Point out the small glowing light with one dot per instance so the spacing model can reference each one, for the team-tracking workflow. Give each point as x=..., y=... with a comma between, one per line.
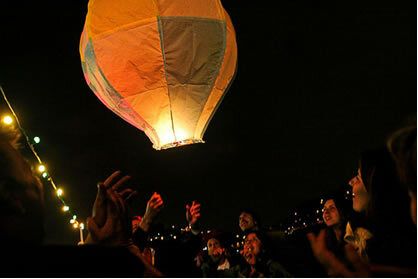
x=296, y=213
x=75, y=225
x=45, y=175
x=237, y=235
x=322, y=201
x=41, y=168
x=74, y=217
x=162, y=238
x=175, y=237
x=59, y=192
x=348, y=192
x=37, y=139
x=7, y=120
x=72, y=221
x=82, y=226
x=66, y=208
x=208, y=231
x=317, y=211
x=173, y=226
x=237, y=244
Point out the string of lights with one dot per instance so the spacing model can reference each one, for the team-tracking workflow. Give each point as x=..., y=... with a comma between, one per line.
x=9, y=121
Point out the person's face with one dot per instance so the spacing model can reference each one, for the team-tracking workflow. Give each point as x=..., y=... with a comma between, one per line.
x=23, y=192
x=252, y=248
x=246, y=221
x=331, y=215
x=214, y=248
x=361, y=197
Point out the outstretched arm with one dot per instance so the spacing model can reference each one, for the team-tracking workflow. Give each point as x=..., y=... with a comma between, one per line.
x=192, y=217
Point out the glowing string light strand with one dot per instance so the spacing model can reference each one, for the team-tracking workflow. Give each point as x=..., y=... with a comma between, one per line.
x=66, y=208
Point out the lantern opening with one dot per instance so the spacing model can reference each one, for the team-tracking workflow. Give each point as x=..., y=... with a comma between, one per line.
x=179, y=143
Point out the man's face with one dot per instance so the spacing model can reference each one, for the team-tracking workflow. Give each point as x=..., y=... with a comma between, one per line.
x=21, y=193
x=246, y=221
x=252, y=248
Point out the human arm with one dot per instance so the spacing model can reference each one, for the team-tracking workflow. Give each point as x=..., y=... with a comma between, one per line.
x=334, y=267
x=154, y=206
x=192, y=216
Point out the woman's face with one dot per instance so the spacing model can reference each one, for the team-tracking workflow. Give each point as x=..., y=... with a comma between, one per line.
x=331, y=215
x=252, y=248
x=361, y=197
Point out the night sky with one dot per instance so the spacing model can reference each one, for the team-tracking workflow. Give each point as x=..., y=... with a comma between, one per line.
x=317, y=83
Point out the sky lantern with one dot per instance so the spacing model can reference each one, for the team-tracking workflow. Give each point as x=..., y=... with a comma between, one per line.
x=161, y=65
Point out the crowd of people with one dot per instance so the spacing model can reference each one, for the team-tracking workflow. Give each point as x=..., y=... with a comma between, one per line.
x=374, y=237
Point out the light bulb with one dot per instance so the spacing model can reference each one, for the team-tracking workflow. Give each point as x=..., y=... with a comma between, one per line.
x=41, y=168
x=59, y=192
x=7, y=120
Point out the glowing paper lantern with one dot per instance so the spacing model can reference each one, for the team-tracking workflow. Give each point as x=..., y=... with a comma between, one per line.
x=161, y=65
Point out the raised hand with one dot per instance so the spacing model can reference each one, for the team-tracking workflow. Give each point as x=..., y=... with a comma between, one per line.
x=336, y=268
x=116, y=230
x=154, y=206
x=112, y=183
x=192, y=213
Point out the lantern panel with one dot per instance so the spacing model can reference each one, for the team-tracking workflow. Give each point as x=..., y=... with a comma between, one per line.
x=189, y=8
x=198, y=43
x=109, y=96
x=128, y=72
x=223, y=81
x=109, y=16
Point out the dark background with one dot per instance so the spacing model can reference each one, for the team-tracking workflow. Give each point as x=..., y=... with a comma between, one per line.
x=317, y=83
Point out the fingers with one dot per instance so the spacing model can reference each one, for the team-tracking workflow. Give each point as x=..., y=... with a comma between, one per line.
x=101, y=192
x=127, y=194
x=109, y=181
x=311, y=237
x=120, y=182
x=156, y=202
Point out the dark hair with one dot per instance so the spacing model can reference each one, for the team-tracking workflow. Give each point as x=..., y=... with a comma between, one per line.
x=378, y=171
x=403, y=146
x=344, y=210
x=220, y=236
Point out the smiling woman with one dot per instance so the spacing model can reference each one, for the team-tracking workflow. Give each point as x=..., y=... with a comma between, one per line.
x=384, y=231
